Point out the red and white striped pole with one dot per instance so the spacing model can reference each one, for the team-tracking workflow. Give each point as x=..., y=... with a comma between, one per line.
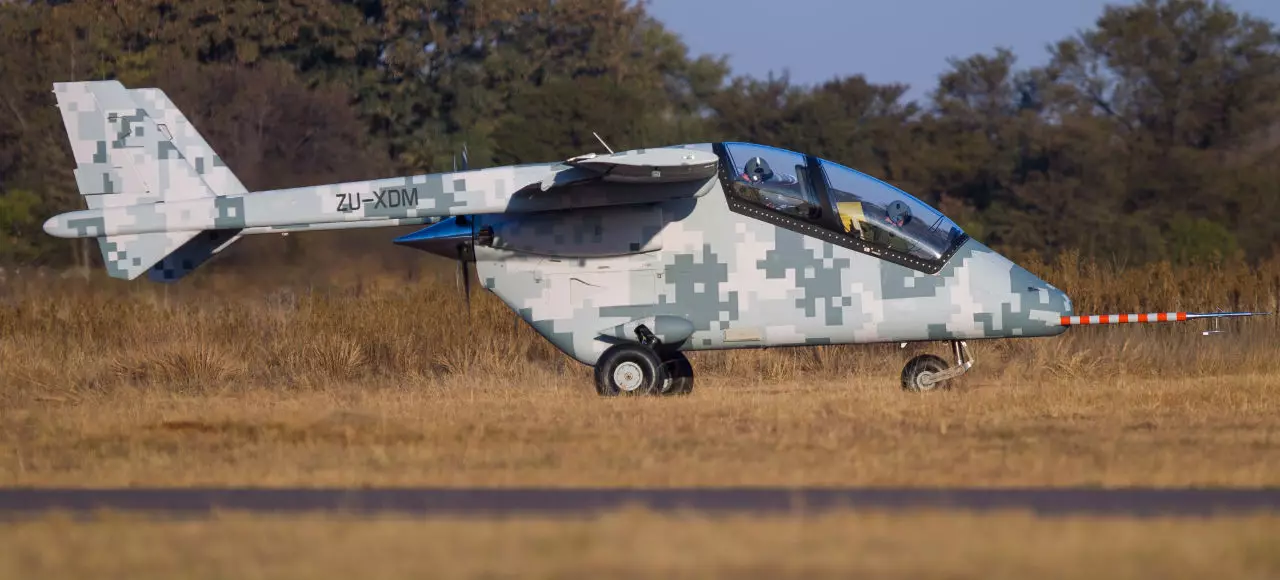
x=1150, y=317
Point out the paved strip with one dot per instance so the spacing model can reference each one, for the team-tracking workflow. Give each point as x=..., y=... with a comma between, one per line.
x=564, y=501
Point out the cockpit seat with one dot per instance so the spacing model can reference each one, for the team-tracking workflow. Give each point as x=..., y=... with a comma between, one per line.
x=851, y=215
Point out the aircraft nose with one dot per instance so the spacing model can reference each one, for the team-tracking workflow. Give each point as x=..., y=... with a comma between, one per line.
x=1051, y=305
x=1060, y=302
x=1013, y=301
x=1042, y=305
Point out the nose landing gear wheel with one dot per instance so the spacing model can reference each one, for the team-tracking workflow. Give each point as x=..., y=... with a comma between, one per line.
x=921, y=374
x=629, y=369
x=927, y=372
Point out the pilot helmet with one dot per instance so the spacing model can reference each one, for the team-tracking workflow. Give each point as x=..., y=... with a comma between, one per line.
x=757, y=170
x=898, y=213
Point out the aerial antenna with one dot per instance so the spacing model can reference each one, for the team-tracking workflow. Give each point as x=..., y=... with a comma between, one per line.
x=466, y=164
x=606, y=145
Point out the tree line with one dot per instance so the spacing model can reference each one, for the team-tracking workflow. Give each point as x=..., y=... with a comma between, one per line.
x=1151, y=135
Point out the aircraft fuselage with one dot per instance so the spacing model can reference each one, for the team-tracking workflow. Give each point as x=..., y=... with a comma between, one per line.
x=703, y=276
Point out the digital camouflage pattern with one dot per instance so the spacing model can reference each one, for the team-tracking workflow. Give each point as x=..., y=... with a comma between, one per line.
x=133, y=148
x=585, y=250
x=740, y=283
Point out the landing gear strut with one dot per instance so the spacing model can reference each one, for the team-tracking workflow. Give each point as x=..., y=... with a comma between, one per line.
x=928, y=372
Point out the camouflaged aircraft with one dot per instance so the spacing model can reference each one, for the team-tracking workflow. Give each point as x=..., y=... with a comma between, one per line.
x=624, y=261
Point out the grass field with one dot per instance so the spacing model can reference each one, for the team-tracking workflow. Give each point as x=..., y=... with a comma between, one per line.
x=1209, y=431
x=353, y=379
x=328, y=377
x=350, y=378
x=637, y=544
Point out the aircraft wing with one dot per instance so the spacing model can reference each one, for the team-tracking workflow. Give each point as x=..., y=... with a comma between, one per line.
x=666, y=165
x=623, y=178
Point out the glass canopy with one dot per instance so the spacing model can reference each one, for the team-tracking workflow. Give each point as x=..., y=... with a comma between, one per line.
x=856, y=204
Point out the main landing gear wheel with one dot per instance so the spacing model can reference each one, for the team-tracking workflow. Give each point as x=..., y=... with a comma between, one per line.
x=679, y=375
x=928, y=372
x=629, y=369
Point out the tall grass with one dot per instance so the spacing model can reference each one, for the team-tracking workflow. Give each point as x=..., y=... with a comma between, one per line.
x=298, y=328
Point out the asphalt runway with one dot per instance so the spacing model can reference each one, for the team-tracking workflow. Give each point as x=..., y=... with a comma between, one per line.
x=574, y=501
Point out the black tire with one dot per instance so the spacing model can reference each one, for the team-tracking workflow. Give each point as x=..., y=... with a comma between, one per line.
x=629, y=369
x=913, y=373
x=679, y=375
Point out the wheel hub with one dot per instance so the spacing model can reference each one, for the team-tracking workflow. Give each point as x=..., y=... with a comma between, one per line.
x=628, y=376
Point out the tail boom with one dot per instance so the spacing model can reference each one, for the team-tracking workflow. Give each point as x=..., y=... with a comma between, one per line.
x=384, y=202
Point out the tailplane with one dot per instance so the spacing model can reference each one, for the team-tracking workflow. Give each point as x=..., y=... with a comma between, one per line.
x=133, y=147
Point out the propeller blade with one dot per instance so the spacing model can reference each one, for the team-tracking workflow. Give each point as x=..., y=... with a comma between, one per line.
x=466, y=278
x=467, y=284
x=457, y=278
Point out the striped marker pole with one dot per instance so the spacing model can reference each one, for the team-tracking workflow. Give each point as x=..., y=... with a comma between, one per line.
x=1150, y=317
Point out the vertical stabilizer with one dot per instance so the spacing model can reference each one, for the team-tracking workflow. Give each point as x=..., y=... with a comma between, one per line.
x=135, y=148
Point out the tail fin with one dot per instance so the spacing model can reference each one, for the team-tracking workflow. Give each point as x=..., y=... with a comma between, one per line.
x=135, y=147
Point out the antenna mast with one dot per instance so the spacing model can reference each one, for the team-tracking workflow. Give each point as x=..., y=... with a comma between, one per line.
x=606, y=145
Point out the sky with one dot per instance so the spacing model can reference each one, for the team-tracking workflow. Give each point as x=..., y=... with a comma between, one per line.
x=902, y=41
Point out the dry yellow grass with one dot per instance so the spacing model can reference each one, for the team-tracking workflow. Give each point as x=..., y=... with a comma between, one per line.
x=638, y=544
x=1211, y=431
x=305, y=377
x=307, y=328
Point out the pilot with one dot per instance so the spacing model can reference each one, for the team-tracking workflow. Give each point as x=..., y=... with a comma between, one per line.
x=757, y=170
x=769, y=184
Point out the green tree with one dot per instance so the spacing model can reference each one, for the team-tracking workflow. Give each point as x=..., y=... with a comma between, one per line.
x=1152, y=134
x=1176, y=89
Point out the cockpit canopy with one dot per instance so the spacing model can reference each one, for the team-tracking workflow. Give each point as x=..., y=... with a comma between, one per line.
x=858, y=207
